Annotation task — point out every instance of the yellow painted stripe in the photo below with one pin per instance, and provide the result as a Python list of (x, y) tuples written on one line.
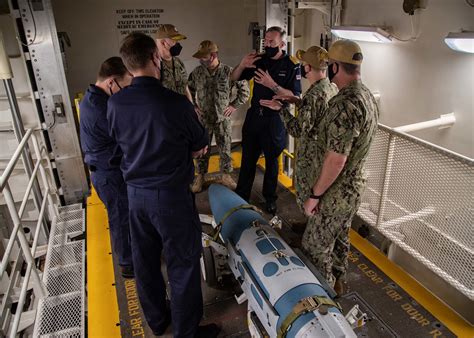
[(442, 312), (103, 310), (424, 297)]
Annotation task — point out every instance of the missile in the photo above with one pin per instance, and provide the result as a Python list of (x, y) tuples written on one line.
[(285, 297)]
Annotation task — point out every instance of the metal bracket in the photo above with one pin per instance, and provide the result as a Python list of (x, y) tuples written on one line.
[(241, 299), (276, 223), (356, 317)]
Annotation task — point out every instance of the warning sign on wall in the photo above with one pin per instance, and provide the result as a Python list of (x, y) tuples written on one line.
[(143, 20)]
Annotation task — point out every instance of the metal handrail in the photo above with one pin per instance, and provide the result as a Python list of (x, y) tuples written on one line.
[(16, 155), (428, 145), (18, 234)]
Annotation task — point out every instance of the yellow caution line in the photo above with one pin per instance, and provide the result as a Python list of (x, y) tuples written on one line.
[(424, 297), (103, 310)]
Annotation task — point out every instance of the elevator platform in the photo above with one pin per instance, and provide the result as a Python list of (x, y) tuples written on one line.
[(393, 310)]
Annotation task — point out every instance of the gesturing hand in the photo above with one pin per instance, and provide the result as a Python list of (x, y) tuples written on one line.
[(249, 60), (272, 104), (264, 78), (287, 98)]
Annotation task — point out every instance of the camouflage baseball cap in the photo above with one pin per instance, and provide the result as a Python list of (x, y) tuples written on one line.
[(206, 47), (168, 31), (316, 57), (346, 51)]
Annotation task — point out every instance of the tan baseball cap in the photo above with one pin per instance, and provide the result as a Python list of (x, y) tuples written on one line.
[(316, 56), (169, 31), (346, 51), (206, 47)]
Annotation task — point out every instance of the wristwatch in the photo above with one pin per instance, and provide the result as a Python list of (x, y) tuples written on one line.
[(316, 197), (276, 89)]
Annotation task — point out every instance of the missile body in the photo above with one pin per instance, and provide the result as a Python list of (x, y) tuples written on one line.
[(280, 288)]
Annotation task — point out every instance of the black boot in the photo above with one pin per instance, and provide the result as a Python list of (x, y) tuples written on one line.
[(208, 331), (271, 207), (127, 271)]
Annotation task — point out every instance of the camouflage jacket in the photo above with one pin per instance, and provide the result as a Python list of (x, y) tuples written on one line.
[(304, 126), (348, 127), (174, 75), (212, 92)]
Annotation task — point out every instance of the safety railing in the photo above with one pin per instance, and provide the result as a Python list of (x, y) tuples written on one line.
[(421, 197), (12, 260)]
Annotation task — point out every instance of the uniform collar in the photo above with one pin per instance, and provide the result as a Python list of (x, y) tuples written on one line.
[(319, 83), (145, 81), (93, 89), (355, 83), (214, 71)]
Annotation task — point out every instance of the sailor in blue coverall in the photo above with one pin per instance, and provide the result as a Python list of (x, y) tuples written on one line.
[(159, 134), (103, 156)]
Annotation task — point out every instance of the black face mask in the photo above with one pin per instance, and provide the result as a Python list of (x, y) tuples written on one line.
[(331, 72), (110, 88), (303, 71), (271, 51), (176, 49)]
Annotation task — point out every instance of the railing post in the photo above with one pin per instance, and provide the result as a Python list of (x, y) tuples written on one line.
[(386, 180), (43, 173)]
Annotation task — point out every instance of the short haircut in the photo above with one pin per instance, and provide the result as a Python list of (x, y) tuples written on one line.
[(137, 50), (277, 29), (350, 69), (113, 66)]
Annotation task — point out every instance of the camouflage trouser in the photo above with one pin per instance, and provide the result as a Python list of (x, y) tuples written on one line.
[(223, 134), (326, 243)]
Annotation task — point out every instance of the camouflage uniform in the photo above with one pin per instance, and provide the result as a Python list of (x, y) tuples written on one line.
[(174, 75), (304, 127), (212, 92), (348, 127)]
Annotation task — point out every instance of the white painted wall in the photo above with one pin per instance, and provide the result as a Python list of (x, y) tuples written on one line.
[(91, 26), (419, 80)]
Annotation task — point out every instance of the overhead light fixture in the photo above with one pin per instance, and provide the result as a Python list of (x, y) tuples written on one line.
[(461, 42), (362, 33)]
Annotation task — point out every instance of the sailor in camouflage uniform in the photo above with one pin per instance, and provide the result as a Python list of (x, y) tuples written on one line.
[(173, 73), (311, 108), (211, 88), (343, 141)]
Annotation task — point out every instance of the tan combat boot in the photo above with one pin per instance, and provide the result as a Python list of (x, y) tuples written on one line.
[(228, 181), (339, 287), (197, 184)]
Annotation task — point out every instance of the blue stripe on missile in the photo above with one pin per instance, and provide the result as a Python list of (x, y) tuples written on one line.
[(256, 296), (255, 275)]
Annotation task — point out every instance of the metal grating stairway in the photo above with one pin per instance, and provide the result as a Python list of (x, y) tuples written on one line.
[(61, 313)]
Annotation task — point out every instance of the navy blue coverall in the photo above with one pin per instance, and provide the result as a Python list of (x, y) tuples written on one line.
[(103, 156), (157, 131), (263, 129)]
